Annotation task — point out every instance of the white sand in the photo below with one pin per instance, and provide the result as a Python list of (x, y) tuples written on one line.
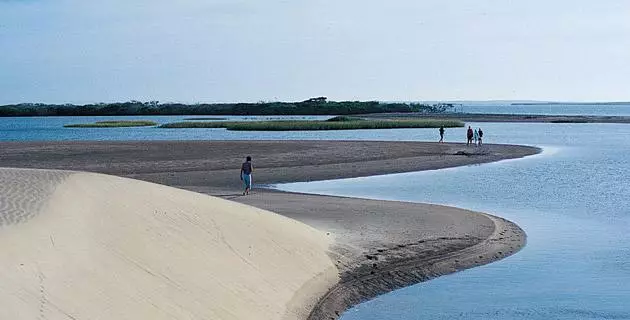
[(100, 247)]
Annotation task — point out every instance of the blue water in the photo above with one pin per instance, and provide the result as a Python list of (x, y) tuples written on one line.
[(549, 109), (573, 202), (51, 128)]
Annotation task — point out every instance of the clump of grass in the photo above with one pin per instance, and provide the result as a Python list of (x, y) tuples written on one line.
[(568, 121), (113, 124), (205, 118), (196, 124), (343, 119), (318, 125)]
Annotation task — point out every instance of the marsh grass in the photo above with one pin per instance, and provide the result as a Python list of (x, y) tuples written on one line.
[(113, 124), (569, 121), (343, 119), (353, 124), (205, 118)]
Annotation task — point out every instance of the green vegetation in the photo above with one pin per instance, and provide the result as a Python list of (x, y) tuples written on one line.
[(198, 124), (113, 124), (343, 118), (205, 118), (314, 106), (569, 121), (318, 125)]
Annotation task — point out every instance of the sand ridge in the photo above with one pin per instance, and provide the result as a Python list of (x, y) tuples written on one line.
[(106, 247), (23, 192)]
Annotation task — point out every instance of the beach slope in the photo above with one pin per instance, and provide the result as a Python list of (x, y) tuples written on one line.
[(91, 246)]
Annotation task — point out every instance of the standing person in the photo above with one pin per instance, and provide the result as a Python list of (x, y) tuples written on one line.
[(469, 136), (246, 174), (441, 134), (476, 136), (480, 136)]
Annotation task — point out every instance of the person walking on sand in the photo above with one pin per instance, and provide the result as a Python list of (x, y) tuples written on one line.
[(441, 134), (246, 174), (469, 136), (476, 136), (480, 136)]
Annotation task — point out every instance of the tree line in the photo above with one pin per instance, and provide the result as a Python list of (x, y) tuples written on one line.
[(313, 106)]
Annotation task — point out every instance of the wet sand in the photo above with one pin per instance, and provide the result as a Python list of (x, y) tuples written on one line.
[(378, 246)]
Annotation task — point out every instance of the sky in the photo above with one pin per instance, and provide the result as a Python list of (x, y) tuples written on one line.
[(77, 51)]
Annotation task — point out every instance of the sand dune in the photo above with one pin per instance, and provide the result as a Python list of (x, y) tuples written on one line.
[(379, 246), (92, 246)]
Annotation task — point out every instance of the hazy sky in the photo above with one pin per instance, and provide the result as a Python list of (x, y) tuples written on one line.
[(80, 51)]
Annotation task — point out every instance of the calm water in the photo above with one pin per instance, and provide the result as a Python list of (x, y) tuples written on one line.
[(554, 109), (51, 128), (572, 201)]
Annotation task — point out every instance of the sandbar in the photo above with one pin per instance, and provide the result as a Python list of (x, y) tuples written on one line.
[(376, 246)]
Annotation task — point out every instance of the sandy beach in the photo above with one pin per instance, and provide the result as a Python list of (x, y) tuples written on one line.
[(104, 247), (349, 250)]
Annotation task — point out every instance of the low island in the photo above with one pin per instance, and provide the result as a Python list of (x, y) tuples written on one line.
[(335, 123), (205, 119), (113, 124)]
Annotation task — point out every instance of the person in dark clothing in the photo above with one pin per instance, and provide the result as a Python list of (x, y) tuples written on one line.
[(441, 134), (469, 136), (480, 136), (246, 174)]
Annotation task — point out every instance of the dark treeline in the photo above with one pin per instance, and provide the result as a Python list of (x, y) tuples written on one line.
[(314, 106)]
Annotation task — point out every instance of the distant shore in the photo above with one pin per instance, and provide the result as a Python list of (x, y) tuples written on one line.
[(474, 117), (552, 103), (313, 106), (379, 245)]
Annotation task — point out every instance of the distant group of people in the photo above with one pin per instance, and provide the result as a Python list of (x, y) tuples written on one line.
[(472, 136)]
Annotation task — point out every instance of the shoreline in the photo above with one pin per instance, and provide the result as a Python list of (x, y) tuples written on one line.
[(379, 246), (356, 288)]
